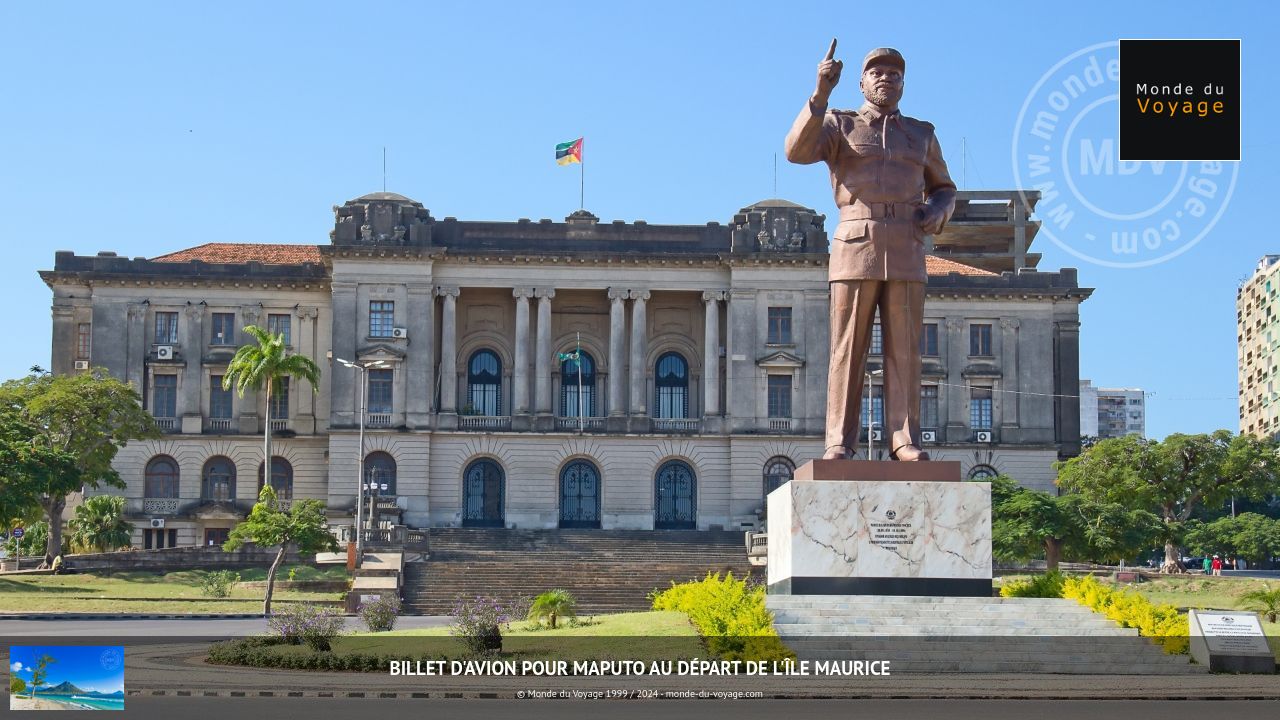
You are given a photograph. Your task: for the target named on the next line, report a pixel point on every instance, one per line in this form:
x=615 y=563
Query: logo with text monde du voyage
x=1128 y=149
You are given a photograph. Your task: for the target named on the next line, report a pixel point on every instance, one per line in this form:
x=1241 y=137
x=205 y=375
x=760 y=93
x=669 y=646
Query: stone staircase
x=968 y=635
x=607 y=571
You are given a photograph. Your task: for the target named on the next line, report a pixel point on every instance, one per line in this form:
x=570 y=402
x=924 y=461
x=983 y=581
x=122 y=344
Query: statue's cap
x=884 y=55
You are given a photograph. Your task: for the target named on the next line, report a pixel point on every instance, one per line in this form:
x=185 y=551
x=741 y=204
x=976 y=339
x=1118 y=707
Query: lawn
x=143 y=591
x=1210 y=593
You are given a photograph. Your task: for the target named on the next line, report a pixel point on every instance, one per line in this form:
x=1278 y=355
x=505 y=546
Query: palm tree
x=552 y=605
x=261 y=366
x=1265 y=601
x=99 y=525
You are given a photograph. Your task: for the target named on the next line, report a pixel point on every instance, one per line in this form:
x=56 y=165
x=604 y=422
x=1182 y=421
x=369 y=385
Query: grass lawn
x=1210 y=593
x=634 y=636
x=142 y=591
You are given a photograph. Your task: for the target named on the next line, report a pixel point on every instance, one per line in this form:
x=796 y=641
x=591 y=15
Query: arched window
x=675 y=497
x=161 y=478
x=219 y=481
x=672 y=383
x=482 y=495
x=380 y=468
x=484 y=383
x=580 y=495
x=578 y=386
x=982 y=472
x=281 y=478
x=778 y=471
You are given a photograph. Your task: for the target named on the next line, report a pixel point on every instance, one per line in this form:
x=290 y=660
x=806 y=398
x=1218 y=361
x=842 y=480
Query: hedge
x=729 y=615
x=260 y=652
x=1163 y=623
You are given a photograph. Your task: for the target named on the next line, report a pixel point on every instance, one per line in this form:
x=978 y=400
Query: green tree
x=1250 y=535
x=1265 y=601
x=303 y=526
x=36 y=535
x=262 y=366
x=1171 y=478
x=77 y=424
x=40 y=673
x=17 y=685
x=1026 y=523
x=99 y=525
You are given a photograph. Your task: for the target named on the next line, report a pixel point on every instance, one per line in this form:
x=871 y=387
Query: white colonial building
x=700 y=380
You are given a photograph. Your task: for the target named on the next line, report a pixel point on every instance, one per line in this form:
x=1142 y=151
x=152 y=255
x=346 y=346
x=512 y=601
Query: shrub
x=218 y=584
x=1265 y=601
x=1048 y=585
x=1162 y=623
x=260 y=652
x=478 y=624
x=552 y=605
x=380 y=615
x=729 y=614
x=311 y=624
x=17 y=685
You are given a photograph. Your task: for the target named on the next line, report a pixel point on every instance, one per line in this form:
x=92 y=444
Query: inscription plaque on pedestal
x=1230 y=642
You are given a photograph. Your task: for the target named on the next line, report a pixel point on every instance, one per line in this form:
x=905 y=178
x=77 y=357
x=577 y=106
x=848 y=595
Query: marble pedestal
x=922 y=533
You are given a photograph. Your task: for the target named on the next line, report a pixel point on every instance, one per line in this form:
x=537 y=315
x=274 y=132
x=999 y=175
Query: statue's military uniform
x=884 y=168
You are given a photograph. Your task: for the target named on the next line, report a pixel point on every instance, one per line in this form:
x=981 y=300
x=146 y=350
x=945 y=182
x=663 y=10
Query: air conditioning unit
x=164 y=352
x=929 y=436
x=984 y=436
x=877 y=435
x=157 y=522
x=401 y=333
x=82 y=364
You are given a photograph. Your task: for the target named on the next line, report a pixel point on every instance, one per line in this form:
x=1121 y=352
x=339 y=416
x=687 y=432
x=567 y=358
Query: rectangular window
x=380 y=391
x=224 y=329
x=928 y=406
x=980 y=408
x=779 y=326
x=873 y=407
x=84 y=334
x=877 y=339
x=779 y=396
x=980 y=339
x=280 y=399
x=279 y=324
x=219 y=399
x=381 y=318
x=929 y=340
x=166 y=328
x=164 y=396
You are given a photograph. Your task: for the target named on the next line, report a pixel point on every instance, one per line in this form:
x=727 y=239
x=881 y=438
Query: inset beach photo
x=66 y=677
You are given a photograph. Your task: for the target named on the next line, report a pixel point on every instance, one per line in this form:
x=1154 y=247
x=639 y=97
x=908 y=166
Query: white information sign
x=1229 y=641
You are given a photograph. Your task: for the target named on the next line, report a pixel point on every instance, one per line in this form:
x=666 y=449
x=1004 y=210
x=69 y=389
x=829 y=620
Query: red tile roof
x=266 y=253
x=934 y=265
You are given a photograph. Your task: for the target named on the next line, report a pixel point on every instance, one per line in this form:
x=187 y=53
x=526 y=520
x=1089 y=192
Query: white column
x=542 y=361
x=520 y=373
x=449 y=350
x=711 y=353
x=617 y=340
x=639 y=334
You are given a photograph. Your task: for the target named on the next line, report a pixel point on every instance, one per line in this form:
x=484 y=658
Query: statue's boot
x=909 y=453
x=837 y=452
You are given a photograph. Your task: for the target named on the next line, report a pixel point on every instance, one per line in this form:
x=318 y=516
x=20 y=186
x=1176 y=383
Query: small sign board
x=18 y=532
x=1230 y=642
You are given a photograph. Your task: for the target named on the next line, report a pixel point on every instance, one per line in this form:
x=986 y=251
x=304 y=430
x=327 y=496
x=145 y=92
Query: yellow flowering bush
x=729 y=614
x=1162 y=623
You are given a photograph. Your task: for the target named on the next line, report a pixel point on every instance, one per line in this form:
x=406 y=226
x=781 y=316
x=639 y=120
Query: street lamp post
x=871 y=415
x=361 y=371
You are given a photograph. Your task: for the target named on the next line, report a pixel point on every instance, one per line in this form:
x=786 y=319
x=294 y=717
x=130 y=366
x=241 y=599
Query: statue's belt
x=875 y=211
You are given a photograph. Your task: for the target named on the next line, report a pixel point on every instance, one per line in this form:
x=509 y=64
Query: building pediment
x=781 y=360
x=214 y=510
x=380 y=351
x=987 y=370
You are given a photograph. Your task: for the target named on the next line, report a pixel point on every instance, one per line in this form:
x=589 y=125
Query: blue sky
x=144 y=128
x=93 y=668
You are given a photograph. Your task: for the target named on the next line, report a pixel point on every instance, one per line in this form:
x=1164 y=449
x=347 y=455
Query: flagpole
x=578 y=352
x=582 y=183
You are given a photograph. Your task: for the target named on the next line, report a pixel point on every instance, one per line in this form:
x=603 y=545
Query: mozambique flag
x=569 y=152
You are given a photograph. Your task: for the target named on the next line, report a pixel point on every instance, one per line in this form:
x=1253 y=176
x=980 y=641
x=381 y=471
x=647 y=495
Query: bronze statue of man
x=892 y=187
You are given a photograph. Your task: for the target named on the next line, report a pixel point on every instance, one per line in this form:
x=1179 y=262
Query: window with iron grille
x=980 y=339
x=164 y=396
x=84 y=334
x=280 y=399
x=578 y=375
x=160 y=479
x=166 y=328
x=928 y=406
x=380 y=391
x=779 y=396
x=278 y=324
x=219 y=399
x=980 y=408
x=381 y=318
x=224 y=329
x=779 y=325
x=877 y=339
x=672 y=385
x=929 y=339
x=484 y=383
x=778 y=471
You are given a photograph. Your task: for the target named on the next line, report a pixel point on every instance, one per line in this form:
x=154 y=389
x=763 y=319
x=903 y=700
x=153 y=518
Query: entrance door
x=482 y=502
x=215 y=536
x=675 y=497
x=579 y=495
